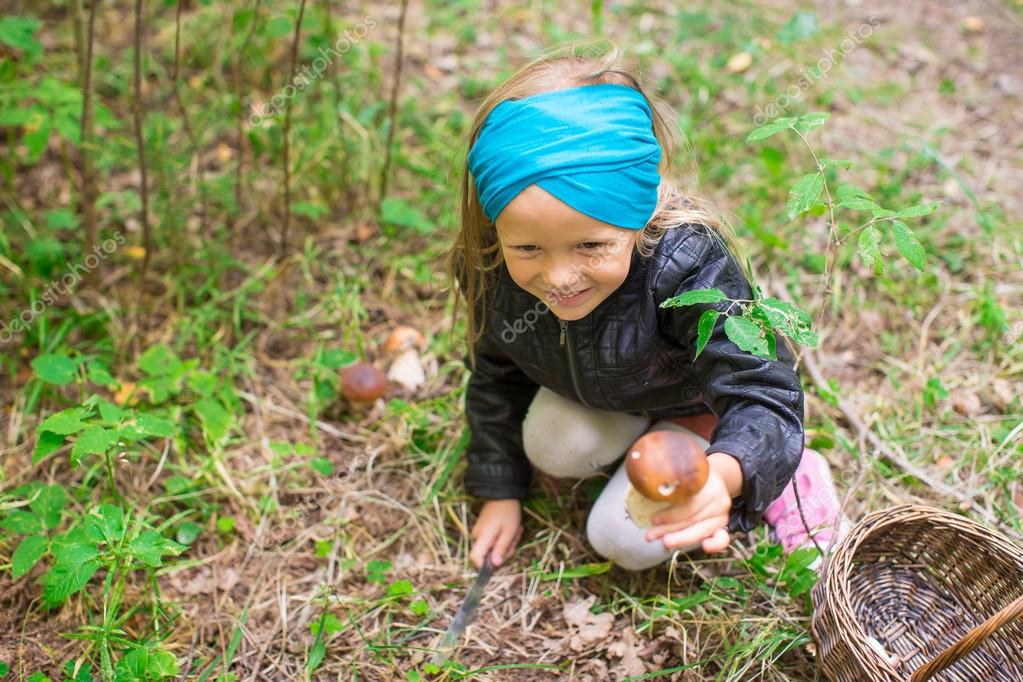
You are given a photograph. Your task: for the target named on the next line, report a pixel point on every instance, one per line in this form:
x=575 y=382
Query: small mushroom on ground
x=362 y=383
x=664 y=468
x=403 y=345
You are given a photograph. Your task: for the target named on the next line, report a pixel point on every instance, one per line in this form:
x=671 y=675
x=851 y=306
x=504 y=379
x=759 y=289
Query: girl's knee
x=566 y=439
x=607 y=547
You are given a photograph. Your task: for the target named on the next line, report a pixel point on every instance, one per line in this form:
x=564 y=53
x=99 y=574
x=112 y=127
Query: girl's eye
x=592 y=245
x=527 y=248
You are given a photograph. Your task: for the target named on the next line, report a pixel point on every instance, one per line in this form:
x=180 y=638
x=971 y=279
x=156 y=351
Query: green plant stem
x=829 y=255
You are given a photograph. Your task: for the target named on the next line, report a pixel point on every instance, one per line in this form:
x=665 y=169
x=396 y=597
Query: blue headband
x=591 y=146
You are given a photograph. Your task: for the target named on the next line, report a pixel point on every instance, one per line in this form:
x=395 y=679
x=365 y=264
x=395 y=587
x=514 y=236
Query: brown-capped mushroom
x=362 y=383
x=403 y=338
x=664 y=468
x=403 y=345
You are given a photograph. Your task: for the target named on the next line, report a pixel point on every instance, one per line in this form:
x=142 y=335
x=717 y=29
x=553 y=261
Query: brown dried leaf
x=589 y=627
x=629 y=650
x=967 y=403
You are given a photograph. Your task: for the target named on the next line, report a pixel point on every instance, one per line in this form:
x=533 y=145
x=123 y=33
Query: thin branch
x=393 y=109
x=187 y=125
x=88 y=197
x=240 y=122
x=287 y=133
x=140 y=146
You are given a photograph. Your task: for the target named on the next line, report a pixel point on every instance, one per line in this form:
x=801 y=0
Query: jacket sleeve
x=758 y=402
x=497 y=398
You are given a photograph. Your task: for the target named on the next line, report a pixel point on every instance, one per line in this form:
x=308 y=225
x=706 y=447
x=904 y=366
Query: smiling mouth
x=562 y=297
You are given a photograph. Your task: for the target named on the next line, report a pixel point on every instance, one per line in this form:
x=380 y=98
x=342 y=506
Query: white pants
x=567 y=440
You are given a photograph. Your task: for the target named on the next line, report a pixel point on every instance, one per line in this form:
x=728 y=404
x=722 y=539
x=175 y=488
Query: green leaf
x=846 y=191
x=106 y=524
x=330 y=625
x=908 y=245
x=159 y=360
x=278 y=27
x=870 y=237
x=154 y=426
x=48 y=504
x=376 y=570
x=23 y=522
x=46 y=443
x=803 y=194
x=73 y=547
x=19 y=33
x=705 y=328
x=150 y=547
x=695 y=296
x=811 y=121
x=31 y=549
x=187 y=532
x=64 y=580
x=747 y=335
x=37 y=677
x=394 y=211
x=4 y=668
x=421 y=608
x=801 y=25
x=322 y=466
x=111 y=414
x=99 y=374
x=95 y=440
x=66 y=421
x=316 y=655
x=214 y=418
x=146 y=664
x=788 y=320
x=917 y=211
x=54 y=368
x=858 y=204
x=400 y=587
x=772 y=128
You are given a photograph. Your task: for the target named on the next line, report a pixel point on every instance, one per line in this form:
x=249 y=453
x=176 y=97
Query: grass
x=293 y=536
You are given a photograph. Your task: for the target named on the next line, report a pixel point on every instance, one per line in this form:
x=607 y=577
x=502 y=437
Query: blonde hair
x=476 y=250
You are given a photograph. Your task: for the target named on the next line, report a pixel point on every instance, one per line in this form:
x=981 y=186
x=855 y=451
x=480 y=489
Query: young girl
x=573 y=231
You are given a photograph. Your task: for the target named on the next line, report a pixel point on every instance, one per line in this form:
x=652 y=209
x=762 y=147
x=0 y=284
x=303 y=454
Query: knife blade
x=465 y=613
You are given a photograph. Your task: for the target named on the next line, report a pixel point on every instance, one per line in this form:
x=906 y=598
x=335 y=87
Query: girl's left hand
x=703 y=517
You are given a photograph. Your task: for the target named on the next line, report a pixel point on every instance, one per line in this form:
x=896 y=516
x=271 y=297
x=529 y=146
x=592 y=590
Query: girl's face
x=565 y=258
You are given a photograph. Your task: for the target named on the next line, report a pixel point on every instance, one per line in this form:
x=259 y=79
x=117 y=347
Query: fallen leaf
x=628 y=649
x=966 y=403
x=973 y=24
x=945 y=464
x=125 y=394
x=134 y=252
x=739 y=62
x=1001 y=395
x=589 y=627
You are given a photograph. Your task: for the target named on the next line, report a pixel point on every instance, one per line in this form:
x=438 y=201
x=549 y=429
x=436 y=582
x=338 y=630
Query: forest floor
x=377 y=551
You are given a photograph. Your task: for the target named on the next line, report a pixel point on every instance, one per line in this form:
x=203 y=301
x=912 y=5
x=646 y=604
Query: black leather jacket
x=629 y=355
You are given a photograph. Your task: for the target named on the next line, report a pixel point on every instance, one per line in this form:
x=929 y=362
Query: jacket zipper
x=571 y=360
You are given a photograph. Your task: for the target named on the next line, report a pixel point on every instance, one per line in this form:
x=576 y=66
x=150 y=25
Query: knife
x=465 y=613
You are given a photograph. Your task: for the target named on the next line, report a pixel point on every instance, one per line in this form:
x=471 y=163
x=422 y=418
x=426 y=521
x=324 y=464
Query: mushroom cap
x=667 y=466
x=402 y=338
x=362 y=383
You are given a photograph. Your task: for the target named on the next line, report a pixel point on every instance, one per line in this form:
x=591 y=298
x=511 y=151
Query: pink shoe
x=821 y=508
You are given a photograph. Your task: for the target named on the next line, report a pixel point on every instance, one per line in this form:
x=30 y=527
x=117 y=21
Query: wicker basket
x=917 y=593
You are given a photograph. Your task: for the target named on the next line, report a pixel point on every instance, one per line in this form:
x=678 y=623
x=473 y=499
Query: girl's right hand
x=498 y=527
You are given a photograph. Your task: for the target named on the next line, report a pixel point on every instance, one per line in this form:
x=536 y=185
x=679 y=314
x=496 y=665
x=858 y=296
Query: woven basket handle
x=970 y=641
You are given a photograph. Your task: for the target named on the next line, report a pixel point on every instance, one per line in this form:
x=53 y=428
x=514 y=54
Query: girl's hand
x=498 y=527
x=703 y=517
